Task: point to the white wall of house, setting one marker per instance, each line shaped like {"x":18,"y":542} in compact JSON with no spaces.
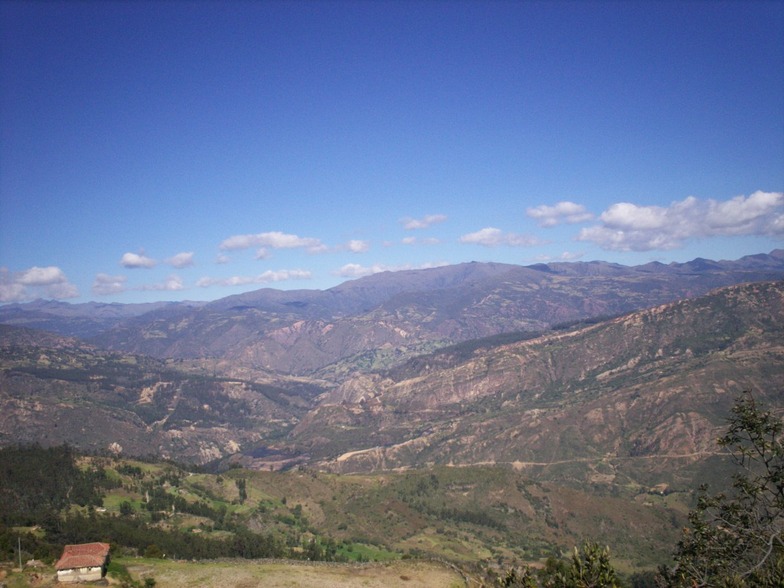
{"x":80,"y":575}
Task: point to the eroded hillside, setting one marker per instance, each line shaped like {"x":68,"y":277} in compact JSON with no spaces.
{"x":645,"y":391}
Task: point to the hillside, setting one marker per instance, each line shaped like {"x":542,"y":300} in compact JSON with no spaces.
{"x":636,"y":397}
{"x":466,"y":516}
{"x":380,"y":320}
{"x":512,"y":447}
{"x":59,"y":390}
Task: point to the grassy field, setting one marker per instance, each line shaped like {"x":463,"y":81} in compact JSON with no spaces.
{"x":248,"y":574}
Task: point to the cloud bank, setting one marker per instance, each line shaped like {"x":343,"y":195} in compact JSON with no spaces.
{"x":355,"y":270}
{"x":357,"y":246}
{"x":181,"y":260}
{"x":264,"y":278}
{"x":623,"y":227}
{"x":137,"y":260}
{"x":35,"y":282}
{"x":630,"y":227}
{"x":493,"y":237}
{"x":172,"y":283}
{"x":563,"y":212}
{"x":422,"y":223}
{"x":272,"y":240}
{"x":106,"y":285}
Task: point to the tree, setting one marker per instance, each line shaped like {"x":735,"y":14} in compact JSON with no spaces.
{"x":126,"y":508}
{"x":737,"y":539}
{"x":242,"y":489}
{"x":153,"y":552}
{"x":590,"y":568}
{"x":518,"y":579}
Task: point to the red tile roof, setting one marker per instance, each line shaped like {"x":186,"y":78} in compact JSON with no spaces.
{"x":84,"y":555}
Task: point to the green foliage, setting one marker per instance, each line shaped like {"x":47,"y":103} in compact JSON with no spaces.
{"x":36,"y":483}
{"x":153,"y":552}
{"x":318,"y":550}
{"x":518,"y":579}
{"x":126,"y":508}
{"x":155,"y":542}
{"x":735,"y":539}
{"x":241,"y":484}
{"x":44,"y":487}
{"x":33,"y":545}
{"x":120,"y":572}
{"x":589,"y":567}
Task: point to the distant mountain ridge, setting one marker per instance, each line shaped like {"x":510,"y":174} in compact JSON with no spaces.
{"x":383,"y":319}
{"x":78,"y":320}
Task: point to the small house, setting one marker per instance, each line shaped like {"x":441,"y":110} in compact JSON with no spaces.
{"x":85,"y":562}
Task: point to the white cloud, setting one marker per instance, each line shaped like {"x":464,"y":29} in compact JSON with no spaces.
{"x":354,"y":270}
{"x":759,"y":213}
{"x":61,"y":291}
{"x":492,"y":237}
{"x":41,"y":276}
{"x":273,"y":240}
{"x":221,"y":259}
{"x":11,"y":291}
{"x":562,"y":212}
{"x":630,"y":227}
{"x":104,"y":284}
{"x":181,"y":260}
{"x":136,"y":260}
{"x":172,"y":283}
{"x":422,"y":223}
{"x":35,"y":282}
{"x":416,"y":241}
{"x":565,"y":256}
{"x":357,"y":246}
{"x":264,"y":278}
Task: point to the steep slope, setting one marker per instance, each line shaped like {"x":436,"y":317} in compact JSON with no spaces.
{"x":55,"y":390}
{"x":635,"y":392}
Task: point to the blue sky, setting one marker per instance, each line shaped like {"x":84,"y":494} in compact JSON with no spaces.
{"x":192,"y":150}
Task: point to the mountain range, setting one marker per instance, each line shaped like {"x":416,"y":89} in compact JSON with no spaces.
{"x":381,"y":319}
{"x":586,"y":372}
